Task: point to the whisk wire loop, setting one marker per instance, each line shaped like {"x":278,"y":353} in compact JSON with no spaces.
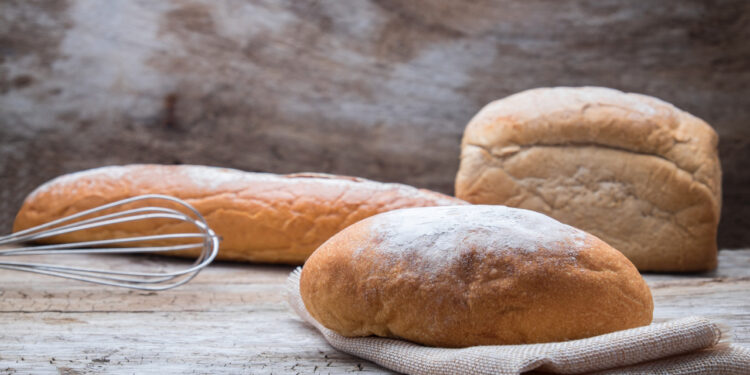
{"x":203,"y":238}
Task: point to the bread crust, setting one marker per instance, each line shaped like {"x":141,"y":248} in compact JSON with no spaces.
{"x":475,"y":278}
{"x":634,"y":170}
{"x":260,"y":217}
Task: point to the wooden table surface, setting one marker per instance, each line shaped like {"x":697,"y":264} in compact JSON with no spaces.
{"x":233,"y":318}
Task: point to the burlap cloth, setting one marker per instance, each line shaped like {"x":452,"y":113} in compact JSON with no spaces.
{"x":693,"y":345}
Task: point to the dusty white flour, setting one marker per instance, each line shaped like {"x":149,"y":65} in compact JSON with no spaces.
{"x":90,"y":175}
{"x":214,"y":179}
{"x":437,"y":236}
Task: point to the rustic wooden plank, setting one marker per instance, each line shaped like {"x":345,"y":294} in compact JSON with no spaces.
{"x":231,"y":318}
{"x":168,"y":342}
{"x":234,"y":318}
{"x":723,"y":294}
{"x":223,"y":287}
{"x":377,"y":88}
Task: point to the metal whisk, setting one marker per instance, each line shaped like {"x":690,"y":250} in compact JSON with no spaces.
{"x":209,"y":244}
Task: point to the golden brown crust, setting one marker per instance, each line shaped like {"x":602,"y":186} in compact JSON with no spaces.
{"x":639,"y":173}
{"x":499,"y":284}
{"x":261,"y":217}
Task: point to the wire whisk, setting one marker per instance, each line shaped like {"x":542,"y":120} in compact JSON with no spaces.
{"x":203,"y":238}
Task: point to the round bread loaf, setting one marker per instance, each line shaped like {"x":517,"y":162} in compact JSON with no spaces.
{"x":472,"y":275}
{"x":261,"y":217}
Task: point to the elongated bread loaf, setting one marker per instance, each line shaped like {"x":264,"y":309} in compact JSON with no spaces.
{"x":633,"y":170}
{"x":261,"y":217}
{"x":472,"y":275}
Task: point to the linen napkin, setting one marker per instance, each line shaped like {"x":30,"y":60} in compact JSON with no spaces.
{"x":692,"y":345}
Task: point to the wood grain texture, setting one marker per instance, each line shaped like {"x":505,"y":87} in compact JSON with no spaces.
{"x":380,"y":88}
{"x":234,"y":319}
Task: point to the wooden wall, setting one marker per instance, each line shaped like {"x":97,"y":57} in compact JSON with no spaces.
{"x":380,"y":88}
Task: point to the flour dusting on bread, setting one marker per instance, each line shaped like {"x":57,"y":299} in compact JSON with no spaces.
{"x":439,"y":236}
{"x":210,"y":179}
{"x":213,"y":178}
{"x":87,"y":177}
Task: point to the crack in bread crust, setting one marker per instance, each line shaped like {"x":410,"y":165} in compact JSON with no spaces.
{"x":522,"y":148}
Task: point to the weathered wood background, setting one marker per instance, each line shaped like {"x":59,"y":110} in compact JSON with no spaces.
{"x":233,"y":318}
{"x":378,"y":88}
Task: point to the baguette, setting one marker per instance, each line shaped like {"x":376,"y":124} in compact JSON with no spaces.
{"x":260,"y":217}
